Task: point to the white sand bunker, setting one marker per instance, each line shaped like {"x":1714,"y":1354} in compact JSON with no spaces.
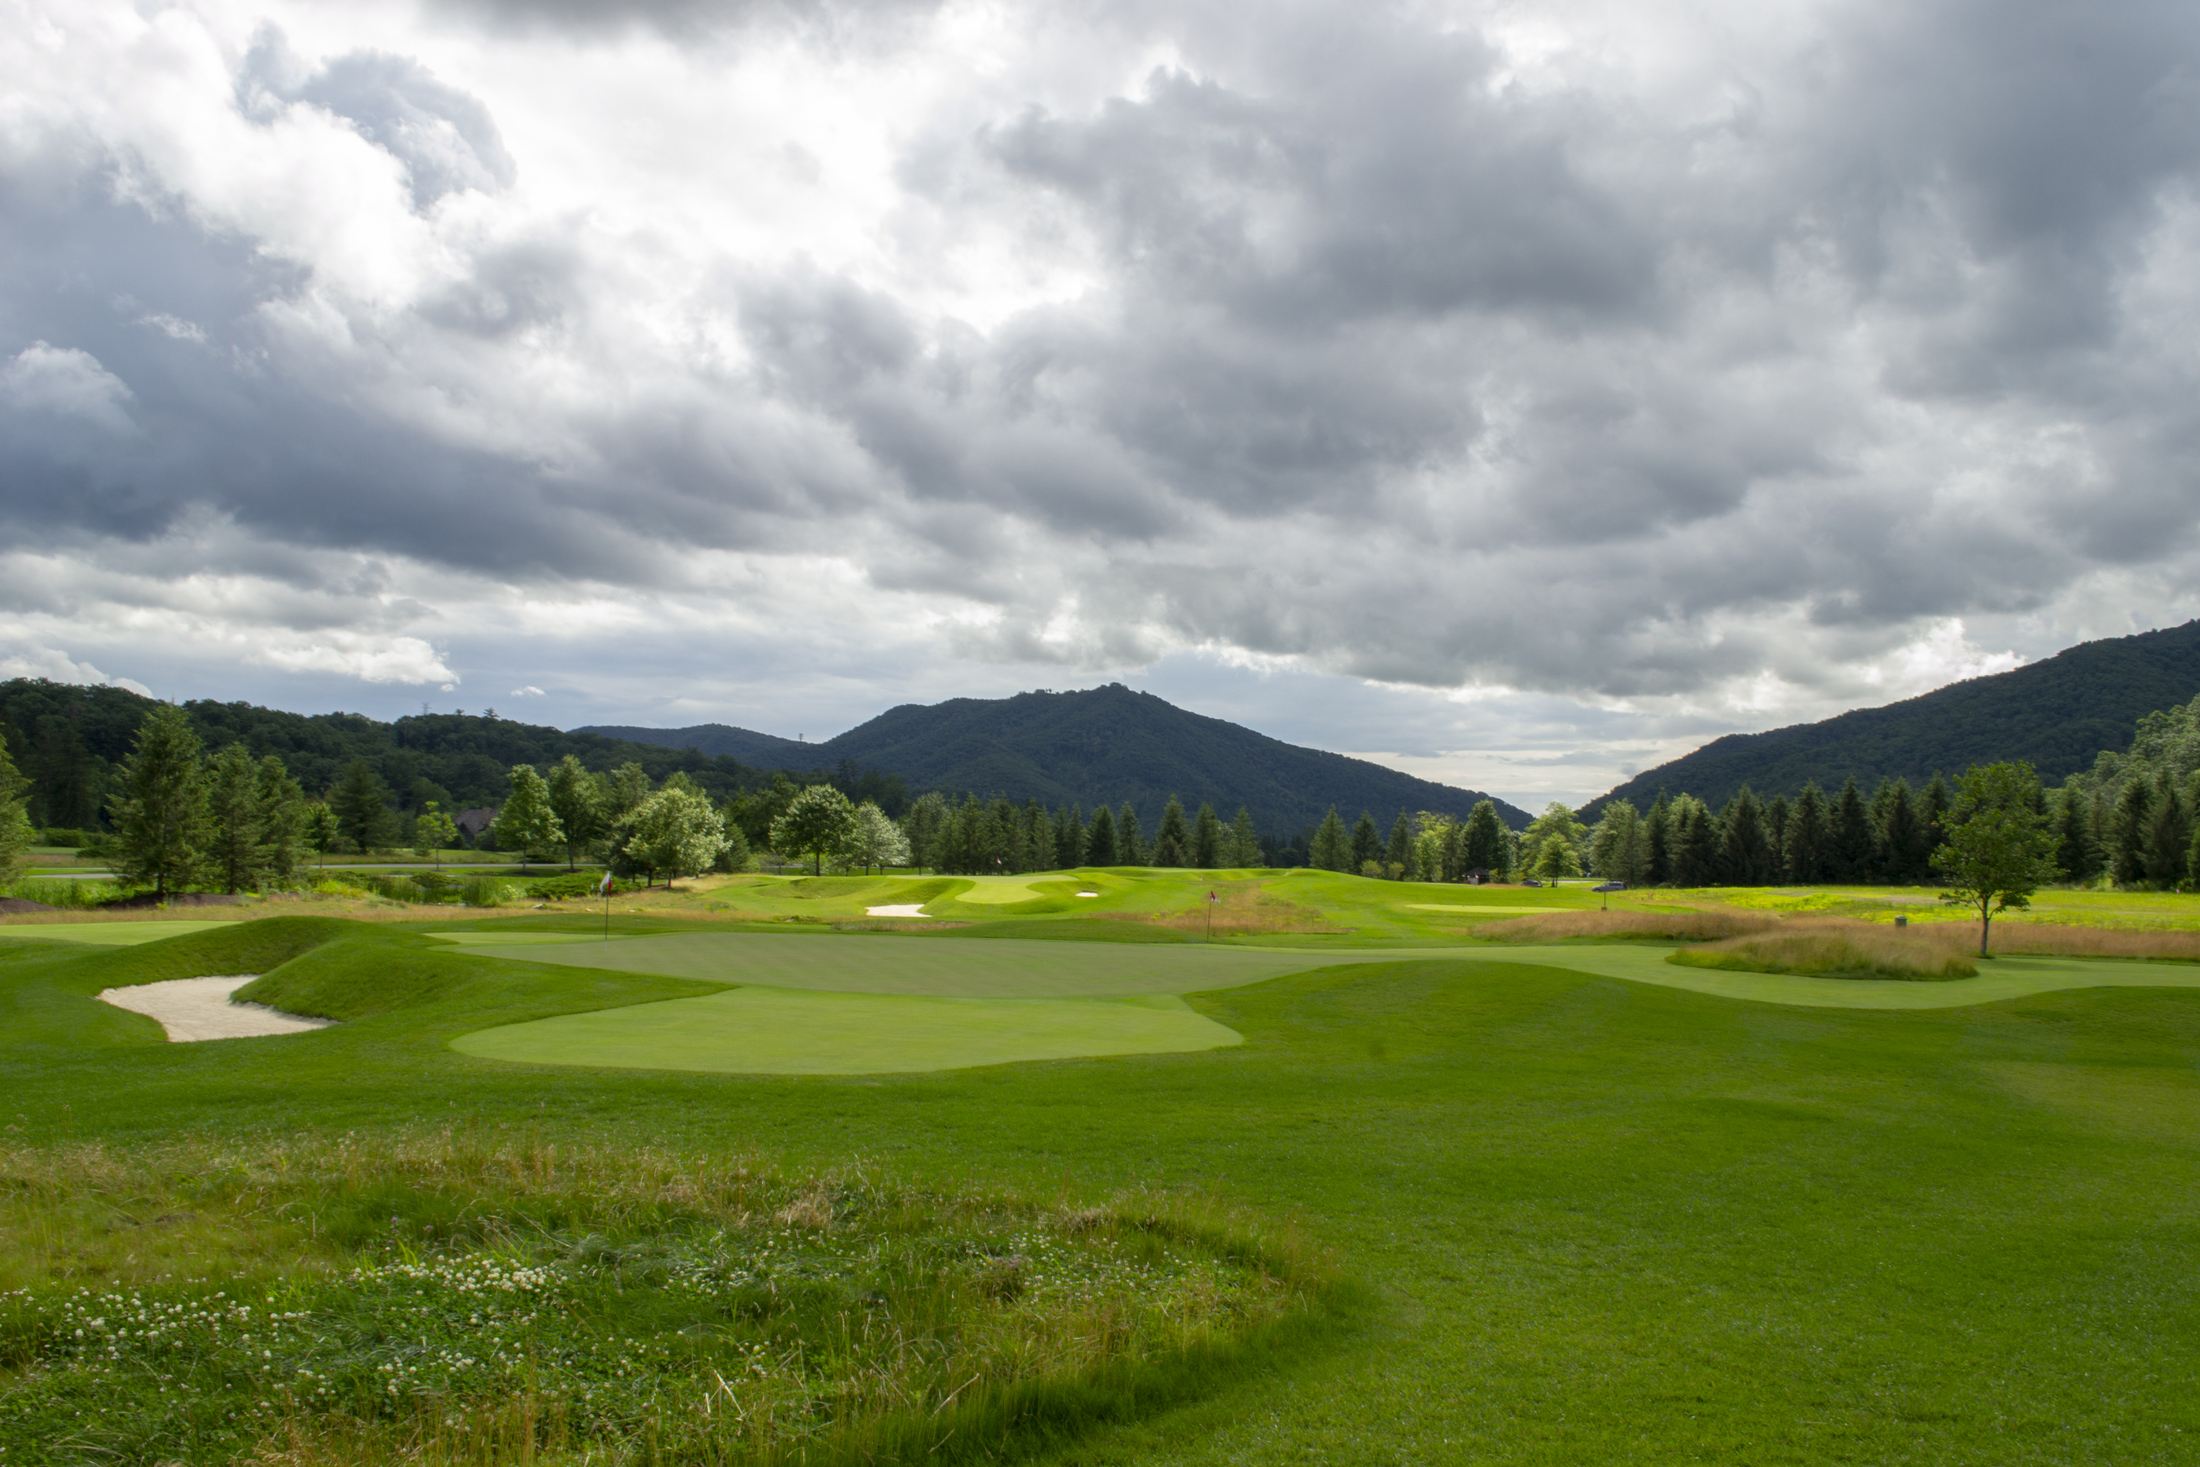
{"x":201,"y":1008}
{"x":906,"y":909}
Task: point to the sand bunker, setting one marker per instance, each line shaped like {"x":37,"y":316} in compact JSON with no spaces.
{"x":201,"y":1008}
{"x":906,"y":909}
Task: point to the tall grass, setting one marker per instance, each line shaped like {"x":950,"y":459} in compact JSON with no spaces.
{"x":1240,"y":910}
{"x":1837,"y":949}
{"x":441,"y":1297}
{"x":1686,"y":926}
{"x":68,"y":896}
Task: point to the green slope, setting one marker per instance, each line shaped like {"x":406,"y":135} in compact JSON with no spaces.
{"x":2057,"y":713}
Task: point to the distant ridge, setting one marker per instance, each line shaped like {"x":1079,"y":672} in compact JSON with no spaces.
{"x":1104,"y":745}
{"x":2056,"y":713}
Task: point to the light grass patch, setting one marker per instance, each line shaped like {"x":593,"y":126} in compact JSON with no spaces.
{"x":433,"y":1299}
{"x":1480,"y":909}
{"x":773,"y":1031}
{"x":1001,"y":891}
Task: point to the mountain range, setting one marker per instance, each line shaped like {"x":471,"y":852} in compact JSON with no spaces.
{"x":1099,"y":746}
{"x":2057,"y":713}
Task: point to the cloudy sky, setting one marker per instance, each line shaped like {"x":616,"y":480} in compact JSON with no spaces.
{"x":1520,"y":394}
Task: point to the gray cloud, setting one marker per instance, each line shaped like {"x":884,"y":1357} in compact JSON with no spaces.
{"x":1391,"y":356}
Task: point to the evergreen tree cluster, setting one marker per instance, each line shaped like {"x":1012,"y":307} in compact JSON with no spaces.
{"x":183,"y":819}
{"x":1847,"y":839}
{"x":1425,"y":845}
{"x":978,"y":837}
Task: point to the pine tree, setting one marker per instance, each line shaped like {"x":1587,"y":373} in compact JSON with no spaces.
{"x":1851,"y":854}
{"x":2134,"y":819}
{"x":234,"y":852}
{"x":1331,"y":848}
{"x":1100,"y":842}
{"x":1398,"y":863}
{"x":1207,"y":840}
{"x":1070,"y":849}
{"x":1172,"y":841}
{"x":2073,"y":840}
{"x":1658,"y":837}
{"x":1745,"y":855}
{"x":1777,"y":815}
{"x":1484,"y":841}
{"x":1367,"y":843}
{"x":1130,"y":843}
{"x":1244,"y":841}
{"x":2169,"y":834}
{"x":1696,"y":852}
{"x":1881,"y":802}
{"x":160,"y":826}
{"x":1013,"y":851}
{"x":1454,"y":851}
{"x":1902,"y":848}
{"x":1805,"y":845}
{"x":360,"y":804}
{"x":1932,"y":814}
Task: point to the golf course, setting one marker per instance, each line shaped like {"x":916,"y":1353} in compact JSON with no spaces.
{"x":1199,"y":1168}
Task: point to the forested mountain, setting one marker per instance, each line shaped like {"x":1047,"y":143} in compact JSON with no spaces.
{"x":1102,"y":746}
{"x":2058,"y":714}
{"x":69,"y":740}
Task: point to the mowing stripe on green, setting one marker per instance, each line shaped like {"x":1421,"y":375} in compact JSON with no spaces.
{"x":767,"y":1031}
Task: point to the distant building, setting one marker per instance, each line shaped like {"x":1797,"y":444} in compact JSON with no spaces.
{"x":1476,"y":876}
{"x":471,"y":823}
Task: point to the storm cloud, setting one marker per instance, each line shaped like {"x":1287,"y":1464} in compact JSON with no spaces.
{"x":1688,"y":369}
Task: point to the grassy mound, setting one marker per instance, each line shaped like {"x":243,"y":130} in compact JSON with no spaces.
{"x":427,"y":1298}
{"x":1837,"y":950}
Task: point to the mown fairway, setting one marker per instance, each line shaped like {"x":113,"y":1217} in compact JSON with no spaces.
{"x":1595,"y":1219}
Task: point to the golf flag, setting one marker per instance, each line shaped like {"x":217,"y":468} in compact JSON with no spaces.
{"x":604,"y":888}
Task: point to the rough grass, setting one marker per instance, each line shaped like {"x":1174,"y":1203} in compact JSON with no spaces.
{"x":1686,"y":926}
{"x":1836,"y":950}
{"x":432,"y":1297}
{"x":1242,"y":909}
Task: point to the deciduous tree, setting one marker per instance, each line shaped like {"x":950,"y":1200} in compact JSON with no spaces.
{"x":675,"y":832}
{"x":577,"y":800}
{"x":434,"y":832}
{"x":818,"y":823}
{"x":527,"y":824}
{"x":15,"y":818}
{"x":1999,"y":848}
{"x":878,"y":841}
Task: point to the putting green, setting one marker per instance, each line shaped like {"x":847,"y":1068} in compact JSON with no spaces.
{"x":946,"y":967}
{"x":765,"y":1031}
{"x":103,"y":934}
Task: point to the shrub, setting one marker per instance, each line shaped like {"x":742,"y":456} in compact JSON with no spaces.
{"x":486,"y":891}
{"x":573,"y":884}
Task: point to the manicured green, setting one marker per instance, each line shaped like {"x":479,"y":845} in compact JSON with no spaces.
{"x":104,"y":934}
{"x":776,"y":1031}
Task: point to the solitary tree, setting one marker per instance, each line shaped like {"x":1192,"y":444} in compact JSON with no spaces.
{"x":1556,"y":858}
{"x":818,"y":823}
{"x":160,"y":825}
{"x":1999,"y":848}
{"x":1557,"y":822}
{"x":527,"y":824}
